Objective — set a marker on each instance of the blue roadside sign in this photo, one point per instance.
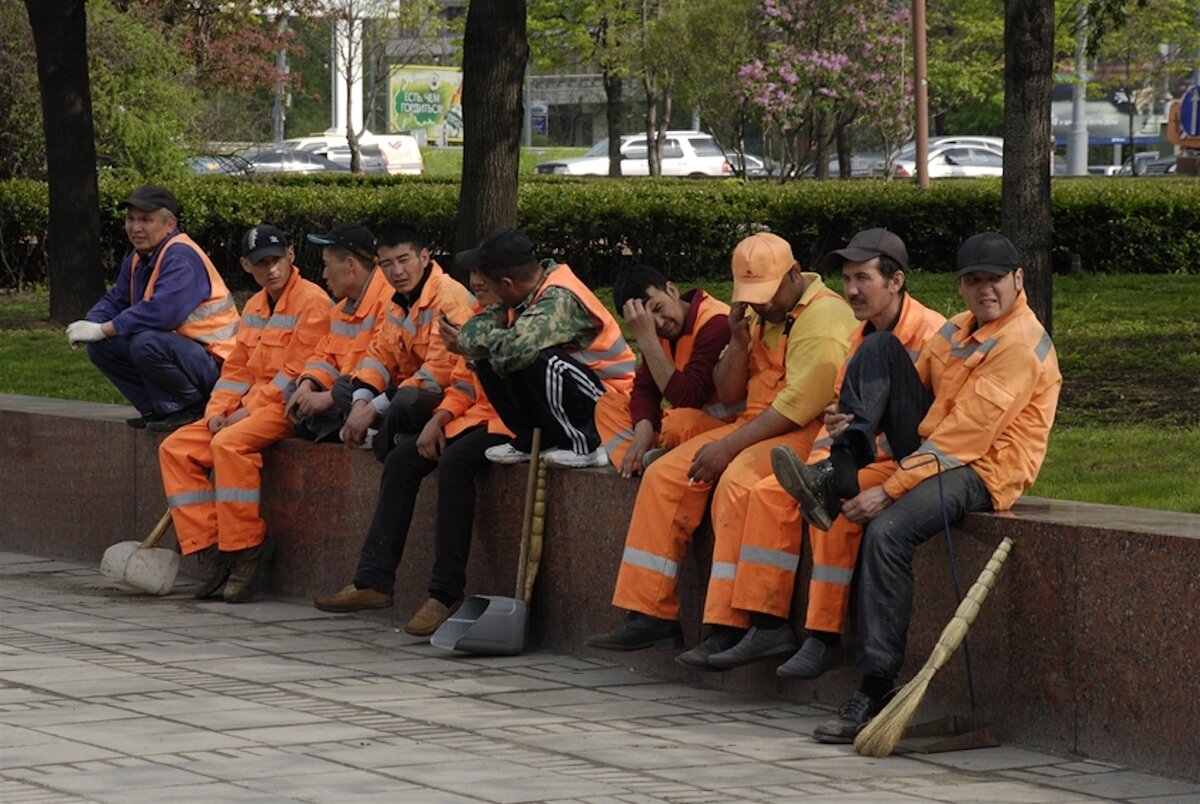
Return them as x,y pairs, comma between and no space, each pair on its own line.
1189,112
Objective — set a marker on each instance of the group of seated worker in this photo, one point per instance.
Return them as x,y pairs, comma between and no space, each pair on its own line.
881,434
871,418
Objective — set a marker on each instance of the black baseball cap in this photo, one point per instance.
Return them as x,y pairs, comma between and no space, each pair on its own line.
869,244
263,240
990,252
503,248
150,197
354,237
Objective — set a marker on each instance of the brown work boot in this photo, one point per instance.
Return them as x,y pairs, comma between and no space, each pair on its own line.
246,568
431,615
214,569
352,598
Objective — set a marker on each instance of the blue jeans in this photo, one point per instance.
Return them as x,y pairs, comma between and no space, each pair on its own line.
158,372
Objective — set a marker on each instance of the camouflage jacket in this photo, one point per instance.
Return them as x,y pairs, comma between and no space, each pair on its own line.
556,318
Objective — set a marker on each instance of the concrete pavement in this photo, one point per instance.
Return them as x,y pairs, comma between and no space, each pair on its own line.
110,696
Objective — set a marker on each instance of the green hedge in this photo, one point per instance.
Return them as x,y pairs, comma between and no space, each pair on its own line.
688,228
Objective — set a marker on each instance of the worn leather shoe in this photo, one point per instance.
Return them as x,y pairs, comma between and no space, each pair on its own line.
814,659
756,645
246,569
723,637
350,598
812,486
640,631
429,617
851,717
173,421
140,422
214,569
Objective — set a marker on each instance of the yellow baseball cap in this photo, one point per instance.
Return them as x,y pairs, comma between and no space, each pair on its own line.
759,264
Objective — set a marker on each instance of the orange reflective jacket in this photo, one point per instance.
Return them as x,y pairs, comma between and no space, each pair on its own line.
408,350
350,333
214,323
272,347
995,392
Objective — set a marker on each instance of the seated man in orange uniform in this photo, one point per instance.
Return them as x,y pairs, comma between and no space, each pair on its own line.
407,367
971,420
453,442
873,269
219,517
323,396
680,337
782,361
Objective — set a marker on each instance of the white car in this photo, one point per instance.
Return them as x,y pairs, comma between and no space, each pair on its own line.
908,152
955,161
685,153
400,151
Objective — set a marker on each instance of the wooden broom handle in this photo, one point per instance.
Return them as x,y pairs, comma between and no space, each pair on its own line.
158,531
527,516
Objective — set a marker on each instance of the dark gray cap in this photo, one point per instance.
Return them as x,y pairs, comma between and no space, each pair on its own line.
869,244
354,237
150,197
264,240
990,252
503,248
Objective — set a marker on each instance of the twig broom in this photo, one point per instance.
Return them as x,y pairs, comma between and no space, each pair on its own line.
533,522
879,737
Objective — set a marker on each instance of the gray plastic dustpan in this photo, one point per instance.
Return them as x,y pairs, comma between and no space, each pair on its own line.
484,624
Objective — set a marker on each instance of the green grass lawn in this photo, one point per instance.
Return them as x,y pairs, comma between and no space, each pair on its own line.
448,161
1128,426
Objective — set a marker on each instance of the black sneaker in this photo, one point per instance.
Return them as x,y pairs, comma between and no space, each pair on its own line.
757,644
812,486
851,717
173,421
723,637
640,631
140,422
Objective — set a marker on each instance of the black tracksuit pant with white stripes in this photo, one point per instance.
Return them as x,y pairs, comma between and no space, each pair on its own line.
556,393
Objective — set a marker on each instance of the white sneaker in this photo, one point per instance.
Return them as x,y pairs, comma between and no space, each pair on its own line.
567,459
505,454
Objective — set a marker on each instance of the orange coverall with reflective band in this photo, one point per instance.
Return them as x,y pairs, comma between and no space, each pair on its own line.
995,392
466,401
613,419
408,350
214,322
350,333
668,510
766,567
272,347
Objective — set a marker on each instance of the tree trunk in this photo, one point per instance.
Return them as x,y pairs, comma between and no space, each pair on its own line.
653,147
845,158
73,245
613,112
495,51
1025,189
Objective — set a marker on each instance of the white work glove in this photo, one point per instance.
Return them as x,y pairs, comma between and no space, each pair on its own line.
84,332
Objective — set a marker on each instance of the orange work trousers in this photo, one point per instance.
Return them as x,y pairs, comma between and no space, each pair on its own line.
615,425
224,510
669,509
766,566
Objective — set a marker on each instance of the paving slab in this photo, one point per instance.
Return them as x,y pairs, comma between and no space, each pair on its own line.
108,696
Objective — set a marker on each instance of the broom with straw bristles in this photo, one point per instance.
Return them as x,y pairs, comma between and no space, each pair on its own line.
879,737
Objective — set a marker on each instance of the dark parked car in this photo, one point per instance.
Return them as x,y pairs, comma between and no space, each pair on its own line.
289,160
756,166
220,164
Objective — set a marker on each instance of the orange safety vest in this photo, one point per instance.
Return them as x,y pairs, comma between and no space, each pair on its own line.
681,350
214,322
768,367
350,333
608,356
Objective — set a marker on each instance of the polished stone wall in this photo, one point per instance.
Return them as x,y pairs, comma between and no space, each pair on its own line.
1089,644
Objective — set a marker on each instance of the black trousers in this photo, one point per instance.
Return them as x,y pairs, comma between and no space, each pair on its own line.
327,425
403,471
410,411
884,392
556,393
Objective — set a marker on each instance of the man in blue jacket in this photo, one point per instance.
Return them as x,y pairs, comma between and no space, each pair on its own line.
161,332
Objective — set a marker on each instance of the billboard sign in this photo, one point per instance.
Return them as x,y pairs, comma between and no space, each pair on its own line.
426,98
